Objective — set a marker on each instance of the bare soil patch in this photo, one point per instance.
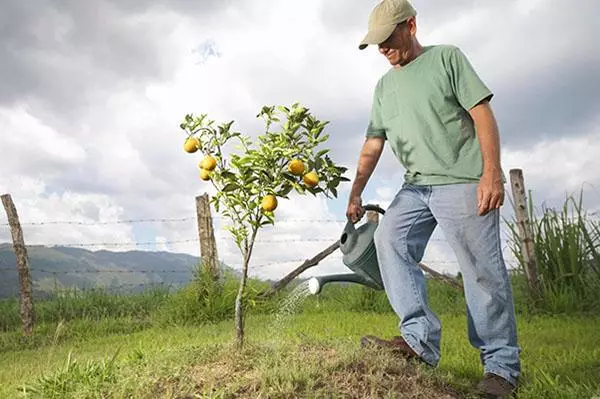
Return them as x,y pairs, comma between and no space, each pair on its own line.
315,372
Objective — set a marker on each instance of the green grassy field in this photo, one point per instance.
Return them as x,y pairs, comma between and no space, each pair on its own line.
138,353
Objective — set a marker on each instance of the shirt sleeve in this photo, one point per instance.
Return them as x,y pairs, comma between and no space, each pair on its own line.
375,127
468,87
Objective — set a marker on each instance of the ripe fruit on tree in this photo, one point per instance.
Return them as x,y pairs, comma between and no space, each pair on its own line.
191,145
208,163
204,174
311,179
296,167
269,203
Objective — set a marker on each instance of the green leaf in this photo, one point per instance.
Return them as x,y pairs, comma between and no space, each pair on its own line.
318,163
322,152
285,191
229,187
290,177
228,175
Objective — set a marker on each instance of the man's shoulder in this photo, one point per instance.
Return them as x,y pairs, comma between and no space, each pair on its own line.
444,50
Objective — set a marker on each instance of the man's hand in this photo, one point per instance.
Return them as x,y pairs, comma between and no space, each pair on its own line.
355,211
490,192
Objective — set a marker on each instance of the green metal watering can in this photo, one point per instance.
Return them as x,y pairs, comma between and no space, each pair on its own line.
358,247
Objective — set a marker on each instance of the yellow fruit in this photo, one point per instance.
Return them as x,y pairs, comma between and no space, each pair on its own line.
296,167
204,174
208,163
191,145
311,179
269,203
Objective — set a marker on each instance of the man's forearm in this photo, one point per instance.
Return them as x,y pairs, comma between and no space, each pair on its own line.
369,156
488,136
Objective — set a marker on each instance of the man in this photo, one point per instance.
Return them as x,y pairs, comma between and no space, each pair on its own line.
434,111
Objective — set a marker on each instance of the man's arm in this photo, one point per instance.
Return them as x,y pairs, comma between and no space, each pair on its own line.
369,156
491,186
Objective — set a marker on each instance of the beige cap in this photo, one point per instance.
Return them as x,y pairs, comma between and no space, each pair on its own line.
384,18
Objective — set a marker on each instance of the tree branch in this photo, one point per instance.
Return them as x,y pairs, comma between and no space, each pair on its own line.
301,269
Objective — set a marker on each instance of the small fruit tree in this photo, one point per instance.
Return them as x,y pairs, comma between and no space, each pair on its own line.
288,157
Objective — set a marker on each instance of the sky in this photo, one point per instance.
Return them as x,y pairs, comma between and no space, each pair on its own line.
92,94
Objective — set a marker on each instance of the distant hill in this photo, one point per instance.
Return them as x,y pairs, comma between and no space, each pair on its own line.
129,271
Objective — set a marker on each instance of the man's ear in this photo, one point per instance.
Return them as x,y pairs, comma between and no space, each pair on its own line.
412,25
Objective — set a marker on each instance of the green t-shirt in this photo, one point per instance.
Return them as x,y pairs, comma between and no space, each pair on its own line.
422,111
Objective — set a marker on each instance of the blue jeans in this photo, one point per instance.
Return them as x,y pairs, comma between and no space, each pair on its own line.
400,240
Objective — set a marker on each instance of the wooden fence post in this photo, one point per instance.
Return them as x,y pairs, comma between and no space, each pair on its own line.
26,302
208,246
525,231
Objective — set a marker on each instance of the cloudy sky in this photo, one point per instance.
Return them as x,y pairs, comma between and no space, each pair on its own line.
92,93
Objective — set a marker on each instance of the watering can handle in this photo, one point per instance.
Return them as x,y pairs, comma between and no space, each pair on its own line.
375,208
368,207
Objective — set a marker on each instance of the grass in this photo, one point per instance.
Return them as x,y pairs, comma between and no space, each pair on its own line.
92,305
314,353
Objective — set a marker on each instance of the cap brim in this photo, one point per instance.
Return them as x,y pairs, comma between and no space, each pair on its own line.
377,36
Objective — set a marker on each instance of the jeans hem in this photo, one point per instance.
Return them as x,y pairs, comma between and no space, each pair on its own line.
504,374
429,359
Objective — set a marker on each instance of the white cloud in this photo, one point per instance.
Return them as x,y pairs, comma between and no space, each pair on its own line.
39,210
556,168
27,137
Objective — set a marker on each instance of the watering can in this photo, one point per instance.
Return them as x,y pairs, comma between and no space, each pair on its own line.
358,248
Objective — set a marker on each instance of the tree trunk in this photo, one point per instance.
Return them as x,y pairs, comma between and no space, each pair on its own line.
239,308
239,300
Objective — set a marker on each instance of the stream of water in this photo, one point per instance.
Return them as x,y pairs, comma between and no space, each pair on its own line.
289,306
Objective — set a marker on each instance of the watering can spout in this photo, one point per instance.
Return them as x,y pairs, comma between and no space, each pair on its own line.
315,284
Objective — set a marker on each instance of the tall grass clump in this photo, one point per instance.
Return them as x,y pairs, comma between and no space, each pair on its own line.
208,300
89,380
567,251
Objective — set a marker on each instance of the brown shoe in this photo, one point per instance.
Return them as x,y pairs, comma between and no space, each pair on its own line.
495,386
397,345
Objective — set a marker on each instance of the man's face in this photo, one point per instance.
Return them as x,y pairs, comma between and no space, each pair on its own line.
398,48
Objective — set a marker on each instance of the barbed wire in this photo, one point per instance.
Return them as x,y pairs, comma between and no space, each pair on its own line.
115,244
105,223
329,240
156,220
107,271
181,220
